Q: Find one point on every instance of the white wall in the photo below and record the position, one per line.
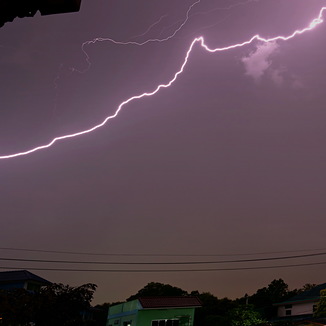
(297, 309)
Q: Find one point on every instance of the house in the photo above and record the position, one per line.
(21, 279)
(154, 311)
(301, 306)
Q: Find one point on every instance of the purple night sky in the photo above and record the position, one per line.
(228, 160)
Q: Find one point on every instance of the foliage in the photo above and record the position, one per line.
(284, 323)
(101, 314)
(62, 305)
(213, 311)
(264, 298)
(216, 311)
(321, 307)
(306, 287)
(158, 289)
(16, 307)
(56, 304)
(245, 316)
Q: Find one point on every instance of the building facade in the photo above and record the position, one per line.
(301, 306)
(154, 311)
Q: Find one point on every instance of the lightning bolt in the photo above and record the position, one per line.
(151, 40)
(205, 13)
(201, 41)
(149, 28)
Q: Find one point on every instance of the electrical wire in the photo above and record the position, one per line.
(157, 254)
(160, 263)
(162, 270)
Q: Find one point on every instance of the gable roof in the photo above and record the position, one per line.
(22, 275)
(310, 295)
(169, 302)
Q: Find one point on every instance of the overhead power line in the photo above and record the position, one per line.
(162, 270)
(161, 263)
(159, 254)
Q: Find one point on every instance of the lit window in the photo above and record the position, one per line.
(165, 322)
(127, 323)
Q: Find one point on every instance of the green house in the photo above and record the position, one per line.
(154, 311)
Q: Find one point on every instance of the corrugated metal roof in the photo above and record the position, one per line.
(310, 295)
(169, 302)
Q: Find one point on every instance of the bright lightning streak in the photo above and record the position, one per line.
(315, 22)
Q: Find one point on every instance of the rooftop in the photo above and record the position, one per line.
(310, 295)
(169, 302)
(21, 275)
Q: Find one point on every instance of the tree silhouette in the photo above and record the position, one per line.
(154, 289)
(56, 304)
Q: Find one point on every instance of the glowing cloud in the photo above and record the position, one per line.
(259, 61)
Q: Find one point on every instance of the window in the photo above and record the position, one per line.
(288, 309)
(165, 322)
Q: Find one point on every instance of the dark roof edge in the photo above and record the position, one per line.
(174, 304)
(22, 275)
(296, 301)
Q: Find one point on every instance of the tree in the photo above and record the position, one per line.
(264, 298)
(307, 287)
(321, 307)
(158, 289)
(56, 304)
(16, 307)
(59, 304)
(213, 311)
(102, 310)
(245, 316)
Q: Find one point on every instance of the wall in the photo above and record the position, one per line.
(131, 313)
(12, 285)
(185, 315)
(296, 309)
(123, 314)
